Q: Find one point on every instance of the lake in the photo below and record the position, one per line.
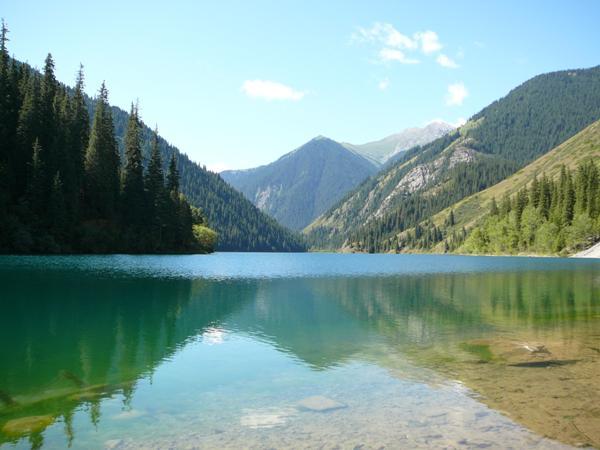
(299, 350)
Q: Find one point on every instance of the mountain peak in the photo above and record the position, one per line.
(382, 150)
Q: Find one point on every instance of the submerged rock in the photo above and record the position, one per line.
(318, 403)
(26, 425)
(112, 443)
(544, 364)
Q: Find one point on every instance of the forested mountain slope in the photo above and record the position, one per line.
(240, 225)
(511, 132)
(304, 183)
(389, 147)
(64, 187)
(551, 206)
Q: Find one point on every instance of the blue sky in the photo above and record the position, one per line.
(238, 84)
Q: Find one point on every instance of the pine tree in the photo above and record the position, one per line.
(494, 207)
(79, 132)
(58, 219)
(48, 125)
(102, 162)
(133, 197)
(173, 175)
(37, 184)
(156, 194)
(28, 130)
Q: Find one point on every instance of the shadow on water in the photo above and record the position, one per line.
(69, 341)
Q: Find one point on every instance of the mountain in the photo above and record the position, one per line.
(304, 183)
(382, 150)
(499, 140)
(241, 225)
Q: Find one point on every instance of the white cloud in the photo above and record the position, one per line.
(270, 90)
(384, 84)
(457, 92)
(386, 34)
(459, 122)
(430, 42)
(445, 61)
(391, 54)
(397, 46)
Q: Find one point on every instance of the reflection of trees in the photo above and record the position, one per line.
(67, 342)
(80, 339)
(324, 321)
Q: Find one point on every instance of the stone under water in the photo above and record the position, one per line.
(26, 425)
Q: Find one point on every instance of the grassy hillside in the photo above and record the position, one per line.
(582, 147)
(498, 141)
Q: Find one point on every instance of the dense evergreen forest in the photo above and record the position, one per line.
(63, 188)
(241, 225)
(503, 137)
(37, 107)
(548, 217)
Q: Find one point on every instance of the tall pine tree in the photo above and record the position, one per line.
(102, 162)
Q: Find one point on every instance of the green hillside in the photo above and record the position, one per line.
(504, 137)
(581, 148)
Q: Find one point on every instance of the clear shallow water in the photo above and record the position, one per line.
(221, 350)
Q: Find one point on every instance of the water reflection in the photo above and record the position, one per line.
(69, 341)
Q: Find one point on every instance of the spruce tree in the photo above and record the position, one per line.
(58, 219)
(102, 162)
(37, 189)
(173, 175)
(133, 198)
(48, 119)
(79, 133)
(28, 130)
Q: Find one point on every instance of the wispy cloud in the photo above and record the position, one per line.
(445, 61)
(396, 46)
(271, 90)
(429, 40)
(384, 84)
(391, 54)
(456, 94)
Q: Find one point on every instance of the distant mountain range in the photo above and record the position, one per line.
(304, 183)
(384, 149)
(502, 138)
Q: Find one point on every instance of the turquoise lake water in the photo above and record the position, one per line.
(239, 350)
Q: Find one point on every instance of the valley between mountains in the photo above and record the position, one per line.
(429, 189)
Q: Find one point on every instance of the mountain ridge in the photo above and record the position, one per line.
(380, 151)
(530, 120)
(300, 185)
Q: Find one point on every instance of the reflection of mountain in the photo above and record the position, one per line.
(295, 316)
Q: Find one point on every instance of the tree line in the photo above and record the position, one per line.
(63, 186)
(549, 217)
